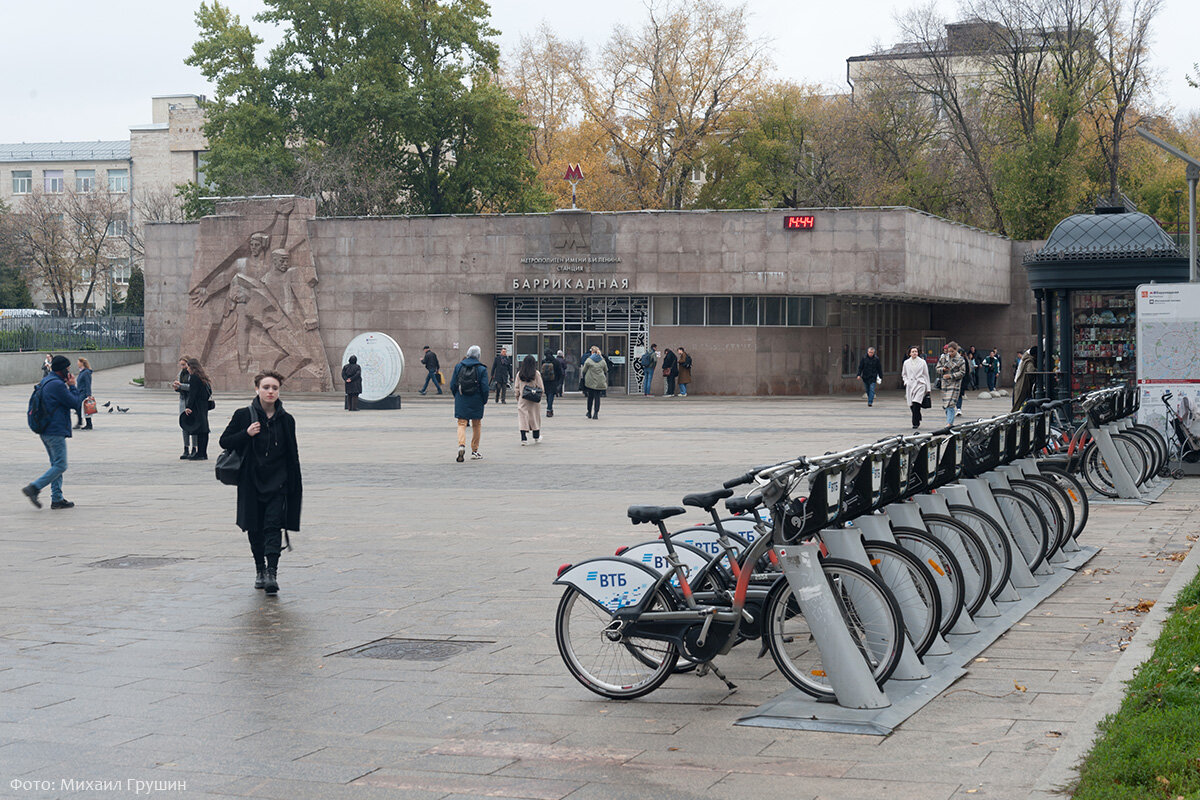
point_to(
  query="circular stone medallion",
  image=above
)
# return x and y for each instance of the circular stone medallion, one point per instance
(382, 363)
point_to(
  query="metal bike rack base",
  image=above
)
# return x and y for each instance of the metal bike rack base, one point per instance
(794, 710)
(1143, 499)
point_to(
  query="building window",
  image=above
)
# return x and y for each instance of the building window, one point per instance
(879, 325)
(22, 181)
(118, 181)
(691, 311)
(121, 270)
(85, 180)
(719, 311)
(52, 181)
(118, 227)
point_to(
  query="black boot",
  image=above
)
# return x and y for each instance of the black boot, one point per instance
(272, 582)
(187, 453)
(260, 579)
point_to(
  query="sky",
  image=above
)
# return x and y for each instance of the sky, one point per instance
(78, 71)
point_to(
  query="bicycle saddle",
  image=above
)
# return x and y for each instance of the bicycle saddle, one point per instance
(654, 514)
(706, 500)
(741, 505)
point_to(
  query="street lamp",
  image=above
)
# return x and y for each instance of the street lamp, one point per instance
(1193, 176)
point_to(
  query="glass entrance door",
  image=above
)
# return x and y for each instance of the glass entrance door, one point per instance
(615, 347)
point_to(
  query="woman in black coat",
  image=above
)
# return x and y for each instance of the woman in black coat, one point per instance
(194, 419)
(352, 377)
(269, 486)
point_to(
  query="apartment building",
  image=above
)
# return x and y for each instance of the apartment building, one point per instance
(157, 157)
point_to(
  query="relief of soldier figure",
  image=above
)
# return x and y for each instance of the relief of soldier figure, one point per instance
(257, 309)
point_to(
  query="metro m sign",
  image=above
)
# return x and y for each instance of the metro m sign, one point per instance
(799, 222)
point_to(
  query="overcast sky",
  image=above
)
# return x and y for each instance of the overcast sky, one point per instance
(76, 71)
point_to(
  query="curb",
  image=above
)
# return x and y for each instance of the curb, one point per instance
(1062, 770)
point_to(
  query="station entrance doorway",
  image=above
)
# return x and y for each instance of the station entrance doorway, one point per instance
(619, 326)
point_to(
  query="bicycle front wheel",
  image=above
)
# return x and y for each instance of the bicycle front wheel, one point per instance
(869, 611)
(602, 657)
(912, 585)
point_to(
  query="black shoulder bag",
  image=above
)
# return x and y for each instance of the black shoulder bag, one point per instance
(229, 463)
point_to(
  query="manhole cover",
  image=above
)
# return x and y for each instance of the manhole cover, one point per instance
(136, 562)
(411, 649)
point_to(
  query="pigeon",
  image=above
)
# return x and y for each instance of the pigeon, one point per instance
(122, 410)
(109, 403)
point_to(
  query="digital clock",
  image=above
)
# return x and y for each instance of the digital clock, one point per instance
(799, 222)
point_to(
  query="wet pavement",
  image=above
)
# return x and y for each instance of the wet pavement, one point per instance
(134, 648)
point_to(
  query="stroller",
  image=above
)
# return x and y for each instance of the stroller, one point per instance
(1185, 450)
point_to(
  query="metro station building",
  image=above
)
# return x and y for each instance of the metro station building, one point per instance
(767, 302)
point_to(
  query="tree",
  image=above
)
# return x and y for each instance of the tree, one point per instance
(1123, 51)
(658, 93)
(370, 107)
(69, 242)
(135, 295)
(14, 291)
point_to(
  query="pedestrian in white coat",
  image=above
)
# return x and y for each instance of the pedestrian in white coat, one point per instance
(915, 375)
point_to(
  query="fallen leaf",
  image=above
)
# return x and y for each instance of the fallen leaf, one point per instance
(1019, 687)
(1180, 556)
(980, 660)
(1053, 734)
(1141, 608)
(672, 749)
(1163, 780)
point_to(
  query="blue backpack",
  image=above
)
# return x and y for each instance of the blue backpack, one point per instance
(39, 415)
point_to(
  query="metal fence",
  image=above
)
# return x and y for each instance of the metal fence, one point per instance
(54, 334)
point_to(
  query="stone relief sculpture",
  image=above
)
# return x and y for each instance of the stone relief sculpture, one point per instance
(255, 307)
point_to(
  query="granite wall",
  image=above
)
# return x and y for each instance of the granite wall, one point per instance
(432, 280)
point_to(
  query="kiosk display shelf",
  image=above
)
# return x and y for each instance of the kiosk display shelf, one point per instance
(1103, 339)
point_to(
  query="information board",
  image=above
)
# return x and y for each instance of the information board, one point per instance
(382, 363)
(1168, 348)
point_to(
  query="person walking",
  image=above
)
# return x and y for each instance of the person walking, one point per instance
(502, 374)
(46, 364)
(269, 489)
(1023, 384)
(552, 377)
(429, 360)
(870, 372)
(352, 377)
(181, 385)
(952, 369)
(595, 381)
(529, 411)
(469, 385)
(59, 396)
(561, 358)
(685, 371)
(194, 419)
(670, 363)
(972, 360)
(648, 361)
(915, 377)
(84, 381)
(991, 367)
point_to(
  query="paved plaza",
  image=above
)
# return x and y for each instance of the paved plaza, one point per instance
(182, 672)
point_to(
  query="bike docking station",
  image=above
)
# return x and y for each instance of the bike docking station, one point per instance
(872, 576)
(1118, 464)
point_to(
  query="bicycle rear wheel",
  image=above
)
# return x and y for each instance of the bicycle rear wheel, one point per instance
(948, 529)
(1046, 503)
(1075, 493)
(943, 566)
(871, 615)
(913, 587)
(1028, 526)
(992, 534)
(602, 658)
(1096, 472)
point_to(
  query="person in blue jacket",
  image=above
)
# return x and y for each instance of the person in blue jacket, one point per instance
(59, 395)
(83, 382)
(470, 395)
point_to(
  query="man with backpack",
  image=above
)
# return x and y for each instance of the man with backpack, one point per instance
(50, 407)
(552, 376)
(648, 361)
(469, 385)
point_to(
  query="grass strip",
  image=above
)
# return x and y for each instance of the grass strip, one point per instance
(1150, 748)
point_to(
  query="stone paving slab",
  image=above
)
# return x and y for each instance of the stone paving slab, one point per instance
(184, 672)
